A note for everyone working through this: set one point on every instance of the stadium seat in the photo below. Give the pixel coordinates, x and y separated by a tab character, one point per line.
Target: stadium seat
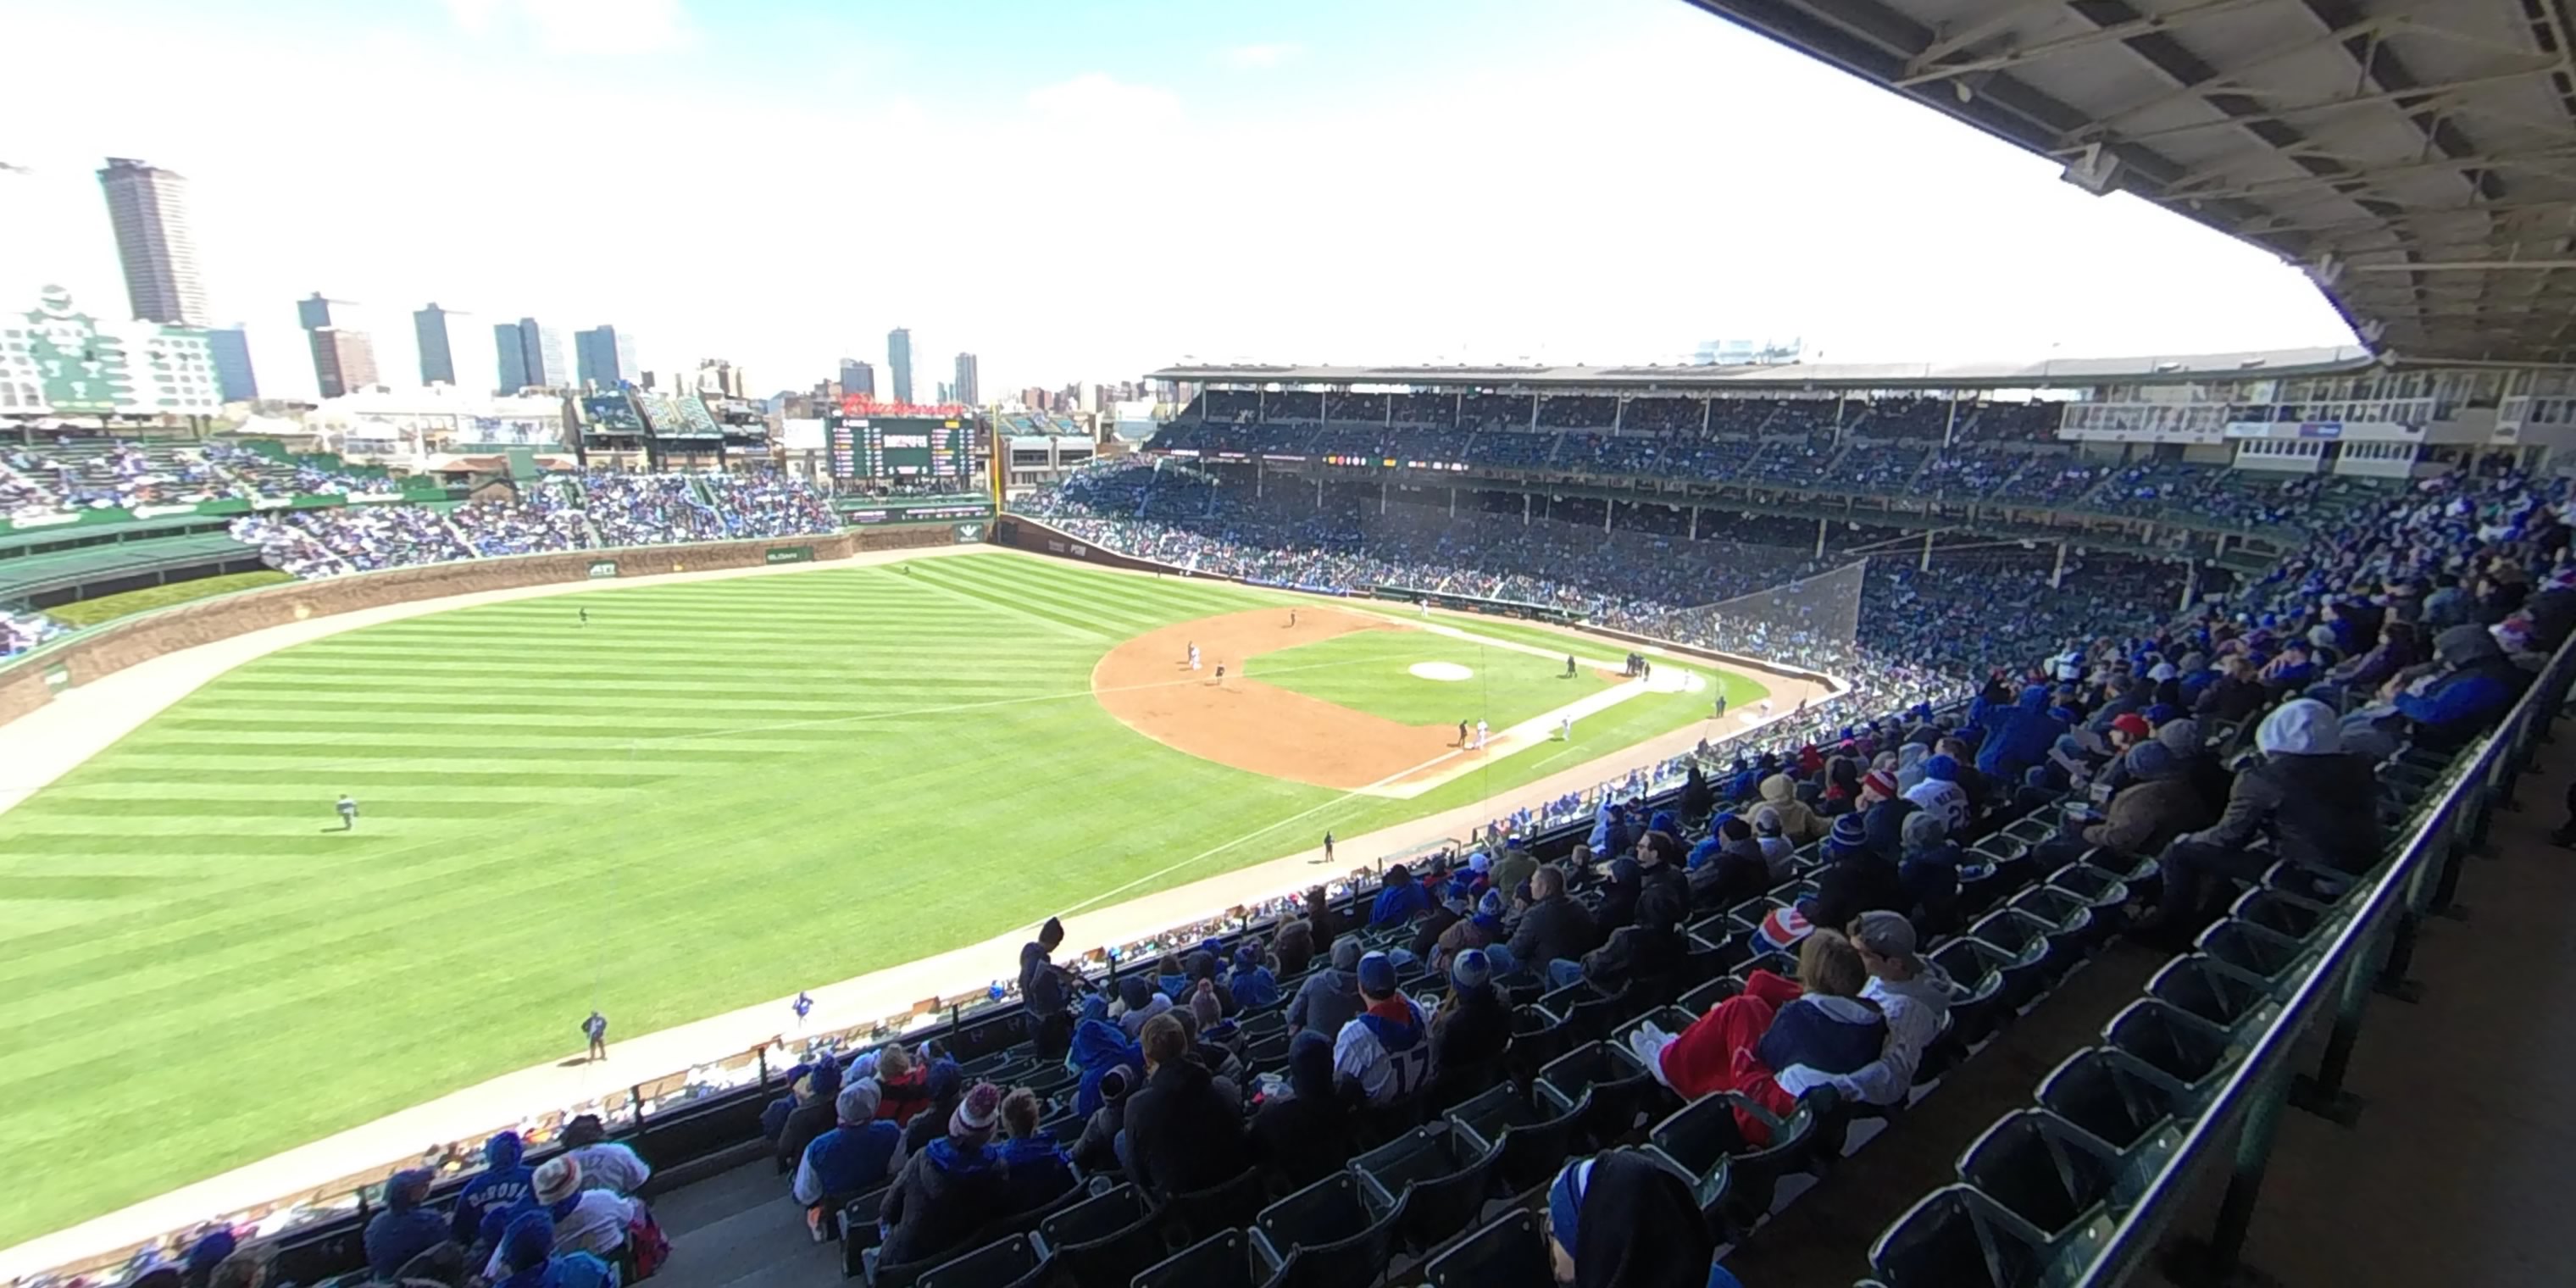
2112	1096
1981	1003
1732	1177
1510	1253
1610	1085
1958	1238
2104	892
2199	987
1437	1176
2174	1047
859	1228
1007	1263
2261	956
1221	1260
2031	964
2043	1170
1106	1238
1537	1037
1532	1124
1195	1215
1336	1231
2280	913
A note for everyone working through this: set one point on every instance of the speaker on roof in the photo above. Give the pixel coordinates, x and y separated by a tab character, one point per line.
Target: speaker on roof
2093	169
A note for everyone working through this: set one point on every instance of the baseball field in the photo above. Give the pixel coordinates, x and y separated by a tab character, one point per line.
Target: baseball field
704	796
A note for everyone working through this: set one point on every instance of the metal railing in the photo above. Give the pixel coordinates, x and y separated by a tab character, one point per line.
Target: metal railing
2370	955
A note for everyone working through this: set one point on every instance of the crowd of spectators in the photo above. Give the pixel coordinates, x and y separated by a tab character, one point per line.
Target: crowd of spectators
71	474
589	511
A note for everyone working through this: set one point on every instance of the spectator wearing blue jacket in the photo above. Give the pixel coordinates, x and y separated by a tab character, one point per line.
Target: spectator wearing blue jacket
1401	901
1098	1047
856	1156
406	1227
2018	736
1037	1169
2478	685
503	1184
1251	983
528	1255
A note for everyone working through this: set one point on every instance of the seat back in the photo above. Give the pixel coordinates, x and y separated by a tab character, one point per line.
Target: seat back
1112	1258
1326	1212
2186	1054
2197	986
2041	1170
1196	1215
2254	952
1358	1259
1510	1253
1533	1151
2102	1092
1957	1238
1703	999
1221	1260
995	1265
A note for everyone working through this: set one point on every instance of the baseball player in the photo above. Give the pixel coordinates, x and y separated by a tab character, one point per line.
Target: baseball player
1569	666
348	813
803	1006
1565	729
585	617
1480	735
1721	704
1194	657
1220	674
1292	619
1462	733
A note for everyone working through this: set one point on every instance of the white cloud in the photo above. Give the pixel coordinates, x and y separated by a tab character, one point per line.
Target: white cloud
1270	54
1100	96
610	28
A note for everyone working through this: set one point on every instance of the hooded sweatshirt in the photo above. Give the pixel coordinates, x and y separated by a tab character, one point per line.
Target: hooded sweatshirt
503	1184
1913	1009
2309	794
1324	1003
405	1228
2020	735
2470	697
1797	822
943	1195
1633	1224
812	1118
1098	1047
1038	1172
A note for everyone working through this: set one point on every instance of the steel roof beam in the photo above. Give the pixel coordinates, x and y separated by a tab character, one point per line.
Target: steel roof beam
2147	24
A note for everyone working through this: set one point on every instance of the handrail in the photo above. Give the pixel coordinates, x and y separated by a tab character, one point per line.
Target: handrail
2254	1090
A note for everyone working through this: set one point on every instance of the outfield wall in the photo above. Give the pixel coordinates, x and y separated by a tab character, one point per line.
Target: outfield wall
30	680
1023	533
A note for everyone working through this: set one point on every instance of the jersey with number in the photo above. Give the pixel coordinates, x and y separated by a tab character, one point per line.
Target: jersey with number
1389	1059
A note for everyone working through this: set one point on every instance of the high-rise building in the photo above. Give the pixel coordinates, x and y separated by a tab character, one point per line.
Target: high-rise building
605	357
530	356
234	379
342	360
149	207
718	377
967	388
899	362
858	379
437	358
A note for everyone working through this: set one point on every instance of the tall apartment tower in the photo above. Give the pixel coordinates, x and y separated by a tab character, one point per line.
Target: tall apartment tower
149	207
966	389
858	379
529	355
343	358
437	356
605	357
899	357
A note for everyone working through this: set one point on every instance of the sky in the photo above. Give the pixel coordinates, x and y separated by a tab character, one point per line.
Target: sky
1083	190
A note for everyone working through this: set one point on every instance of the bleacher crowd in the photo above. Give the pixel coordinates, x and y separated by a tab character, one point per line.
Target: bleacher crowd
72	474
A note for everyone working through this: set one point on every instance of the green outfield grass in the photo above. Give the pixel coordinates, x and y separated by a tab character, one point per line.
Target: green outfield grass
714	794
1368	671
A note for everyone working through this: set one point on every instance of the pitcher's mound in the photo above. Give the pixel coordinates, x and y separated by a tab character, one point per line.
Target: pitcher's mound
1449	671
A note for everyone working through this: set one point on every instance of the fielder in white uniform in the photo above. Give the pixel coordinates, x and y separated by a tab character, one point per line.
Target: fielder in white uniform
1480	735
1565	729
1194	657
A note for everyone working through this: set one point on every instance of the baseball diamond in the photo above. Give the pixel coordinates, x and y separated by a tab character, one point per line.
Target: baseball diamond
624	801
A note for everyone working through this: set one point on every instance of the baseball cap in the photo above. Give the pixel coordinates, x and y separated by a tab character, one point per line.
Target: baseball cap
1887	934
1377	973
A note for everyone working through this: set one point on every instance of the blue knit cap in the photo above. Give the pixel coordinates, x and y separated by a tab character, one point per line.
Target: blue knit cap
1472	970
1849	833
1942	769
529	1241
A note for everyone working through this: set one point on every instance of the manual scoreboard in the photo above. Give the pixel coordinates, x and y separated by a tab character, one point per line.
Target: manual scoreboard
899	447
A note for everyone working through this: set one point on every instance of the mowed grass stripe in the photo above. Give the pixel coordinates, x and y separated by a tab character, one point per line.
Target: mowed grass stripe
493	894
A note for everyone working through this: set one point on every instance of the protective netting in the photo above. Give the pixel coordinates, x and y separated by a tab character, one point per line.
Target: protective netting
1811	621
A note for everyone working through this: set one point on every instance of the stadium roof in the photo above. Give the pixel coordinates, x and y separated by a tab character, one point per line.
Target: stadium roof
2173	369
2417	157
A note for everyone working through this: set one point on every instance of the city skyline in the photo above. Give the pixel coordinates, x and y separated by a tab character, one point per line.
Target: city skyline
1875	230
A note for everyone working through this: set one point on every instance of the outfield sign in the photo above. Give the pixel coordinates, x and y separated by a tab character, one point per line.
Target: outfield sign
603	567
944	510
969	533
58	677
790	554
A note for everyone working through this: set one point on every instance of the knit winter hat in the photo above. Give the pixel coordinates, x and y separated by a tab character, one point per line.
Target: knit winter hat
2132	724
1565	1203
1942	769
1136	991
1766	820
1924	828
2151	760
1879	781
1247	957
975	1114
1472	970
944	1079
557	1180
1491	905
529	1241
1849	833
1206	1007
1346	953
1377	974
1115	1084
1479	861
858	1102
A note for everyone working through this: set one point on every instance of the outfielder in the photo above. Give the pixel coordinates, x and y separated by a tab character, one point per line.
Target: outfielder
1194	657
348	813
1565	729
